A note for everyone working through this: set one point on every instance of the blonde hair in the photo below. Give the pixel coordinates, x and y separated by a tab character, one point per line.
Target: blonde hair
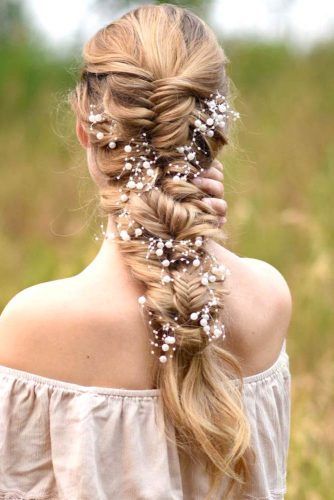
150	69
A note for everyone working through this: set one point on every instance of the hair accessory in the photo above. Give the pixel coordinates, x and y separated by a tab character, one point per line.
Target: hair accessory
95	118
167	253
142	173
219	111
139	168
209	271
175	257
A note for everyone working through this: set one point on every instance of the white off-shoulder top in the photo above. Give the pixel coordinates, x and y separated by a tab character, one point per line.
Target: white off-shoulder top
64	441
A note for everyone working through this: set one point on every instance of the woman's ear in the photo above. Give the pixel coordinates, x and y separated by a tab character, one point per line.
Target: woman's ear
82	135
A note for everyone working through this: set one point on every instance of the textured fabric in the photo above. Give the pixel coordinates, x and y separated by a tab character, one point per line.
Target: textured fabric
64	441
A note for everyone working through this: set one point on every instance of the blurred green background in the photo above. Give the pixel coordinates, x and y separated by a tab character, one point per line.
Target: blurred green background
279	178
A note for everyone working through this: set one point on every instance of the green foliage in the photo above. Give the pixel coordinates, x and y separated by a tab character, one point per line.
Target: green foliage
278	180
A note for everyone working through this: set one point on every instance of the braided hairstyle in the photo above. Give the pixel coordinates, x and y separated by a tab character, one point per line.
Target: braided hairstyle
150	70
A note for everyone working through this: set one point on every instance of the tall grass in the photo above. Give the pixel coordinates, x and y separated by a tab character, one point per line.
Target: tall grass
279	187
278	181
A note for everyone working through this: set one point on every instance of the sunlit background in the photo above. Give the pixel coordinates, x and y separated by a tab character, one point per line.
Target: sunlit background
279	174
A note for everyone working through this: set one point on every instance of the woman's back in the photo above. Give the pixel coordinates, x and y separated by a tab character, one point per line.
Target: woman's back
87	329
76	383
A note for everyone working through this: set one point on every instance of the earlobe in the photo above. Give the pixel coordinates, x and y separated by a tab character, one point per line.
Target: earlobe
82	135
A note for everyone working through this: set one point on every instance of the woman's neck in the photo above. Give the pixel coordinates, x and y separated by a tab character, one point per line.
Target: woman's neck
108	263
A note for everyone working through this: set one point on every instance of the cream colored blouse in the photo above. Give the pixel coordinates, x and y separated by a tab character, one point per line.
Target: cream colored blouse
63	441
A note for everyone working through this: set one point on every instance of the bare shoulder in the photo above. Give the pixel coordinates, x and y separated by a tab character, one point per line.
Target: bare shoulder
36	302
258	309
31	319
273	280
74	329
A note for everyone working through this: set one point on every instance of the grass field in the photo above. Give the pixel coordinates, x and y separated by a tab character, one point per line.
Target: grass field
279	176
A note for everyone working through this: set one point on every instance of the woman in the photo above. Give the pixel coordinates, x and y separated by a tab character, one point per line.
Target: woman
159	371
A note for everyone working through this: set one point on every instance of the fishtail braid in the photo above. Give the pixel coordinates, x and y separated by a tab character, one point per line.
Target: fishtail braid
153	86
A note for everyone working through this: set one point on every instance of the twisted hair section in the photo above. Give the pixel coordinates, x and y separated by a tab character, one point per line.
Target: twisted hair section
149	71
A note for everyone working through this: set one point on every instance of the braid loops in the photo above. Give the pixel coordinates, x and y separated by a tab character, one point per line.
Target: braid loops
174	234
173	105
